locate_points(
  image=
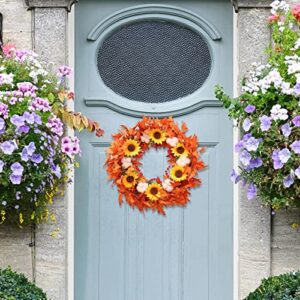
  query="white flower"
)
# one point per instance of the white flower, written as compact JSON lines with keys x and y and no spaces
{"x":142,"y":186}
{"x":126,"y":162}
{"x":167,"y":185}
{"x":278,"y":113}
{"x":172,"y":141}
{"x":286,"y":88}
{"x":183,"y":161}
{"x":145,"y":138}
{"x":279,"y":6}
{"x":297,"y":45}
{"x":6,"y":79}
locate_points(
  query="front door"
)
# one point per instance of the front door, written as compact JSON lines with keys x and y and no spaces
{"x":162,"y":58}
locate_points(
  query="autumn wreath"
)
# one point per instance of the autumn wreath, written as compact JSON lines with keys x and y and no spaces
{"x":129,"y":146}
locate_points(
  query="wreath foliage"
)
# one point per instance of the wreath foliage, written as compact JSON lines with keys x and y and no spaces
{"x":123,"y":164}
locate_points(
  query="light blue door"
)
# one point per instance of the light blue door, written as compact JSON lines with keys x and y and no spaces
{"x":159,"y":58}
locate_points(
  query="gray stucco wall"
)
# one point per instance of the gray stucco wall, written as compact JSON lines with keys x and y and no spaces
{"x":267,"y":245}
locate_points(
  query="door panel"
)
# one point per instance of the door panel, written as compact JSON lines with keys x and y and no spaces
{"x":121,"y":254}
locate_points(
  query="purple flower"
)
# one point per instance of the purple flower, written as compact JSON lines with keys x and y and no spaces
{"x":255,"y":163}
{"x":297,"y":172}
{"x":252,"y":191}
{"x":245,"y":158}
{"x":247,"y":124}
{"x":23,"y":129}
{"x":297,"y":89}
{"x":25,"y":87}
{"x":56,"y":126}
{"x":28,"y":117}
{"x":265,"y":123}
{"x":37,"y":158}
{"x":296,"y":121}
{"x":3,"y":110}
{"x":39,"y":104}
{"x":2,"y":124}
{"x":284,"y":155}
{"x":30,"y":148}
{"x":235,"y":177}
{"x":8,"y":147}
{"x":288,"y":181}
{"x":286,"y":129}
{"x":15,"y":179}
{"x":276,"y":161}
{"x":17,"y":120}
{"x":56,"y":170}
{"x":17,"y":168}
{"x":252,"y":144}
{"x":37,"y":118}
{"x":1,"y":166}
{"x":295,"y":146}
{"x":250,"y":109}
{"x":64,"y":71}
{"x":239,"y":146}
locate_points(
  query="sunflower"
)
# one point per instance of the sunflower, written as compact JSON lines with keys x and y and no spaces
{"x":129,"y":179}
{"x":179,"y":150}
{"x":131,"y":148}
{"x":157,"y":136}
{"x":177,"y":173}
{"x":153,"y":191}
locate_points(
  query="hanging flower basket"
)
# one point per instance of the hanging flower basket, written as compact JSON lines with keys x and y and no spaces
{"x":268,"y":111}
{"x":35,"y":152}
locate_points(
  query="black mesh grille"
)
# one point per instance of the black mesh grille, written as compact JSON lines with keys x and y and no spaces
{"x":154,"y":61}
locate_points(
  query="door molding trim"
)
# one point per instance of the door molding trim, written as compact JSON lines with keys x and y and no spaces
{"x":90,"y":102}
{"x":151,"y":10}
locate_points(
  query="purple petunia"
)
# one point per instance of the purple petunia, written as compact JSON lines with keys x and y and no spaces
{"x":37,"y":158}
{"x":288,"y":181}
{"x":239,"y":146}
{"x":276,"y":161}
{"x":17,"y":168}
{"x":1,"y":165}
{"x":250,"y":109}
{"x":252,"y":144}
{"x":252,"y":191}
{"x":286,"y":129}
{"x":17,"y":120}
{"x":247,"y":124}
{"x":265,"y":123}
{"x":28,"y":117}
{"x":8,"y":147}
{"x":297,"y":89}
{"x":245,"y":158}
{"x":64,"y":71}
{"x":295,"y":146}
{"x":2,"y":126}
{"x":296,"y":121}
{"x":23,"y":129}
{"x":56,"y":170}
{"x":297,"y":172}
{"x":235,"y":177}
{"x":255,"y":163}
{"x":15,"y":179}
{"x":284,"y":155}
{"x":3,"y":110}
